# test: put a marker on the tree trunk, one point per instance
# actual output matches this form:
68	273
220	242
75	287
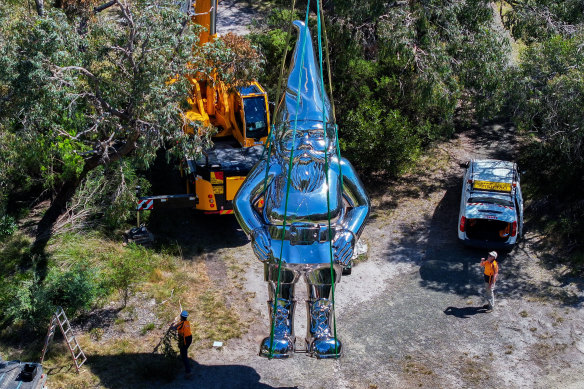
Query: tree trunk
64	195
40	7
45	225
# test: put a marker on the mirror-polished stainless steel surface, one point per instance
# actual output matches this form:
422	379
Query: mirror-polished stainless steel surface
266	198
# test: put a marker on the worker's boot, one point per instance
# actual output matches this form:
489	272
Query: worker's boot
281	343
320	340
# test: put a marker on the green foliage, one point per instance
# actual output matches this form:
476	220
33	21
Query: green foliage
537	20
32	302
7	225
367	129
272	44
404	75
83	270
124	272
29	305
75	289
78	93
400	72
547	96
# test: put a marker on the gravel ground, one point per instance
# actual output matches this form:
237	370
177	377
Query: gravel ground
410	315
236	17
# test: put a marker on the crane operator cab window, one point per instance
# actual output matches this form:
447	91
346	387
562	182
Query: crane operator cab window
256	121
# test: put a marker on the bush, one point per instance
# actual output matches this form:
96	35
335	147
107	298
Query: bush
124	272
29	305
30	302
7	225
377	139
400	71
74	290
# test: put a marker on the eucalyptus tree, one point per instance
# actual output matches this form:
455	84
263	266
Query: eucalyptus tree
547	96
404	70
86	92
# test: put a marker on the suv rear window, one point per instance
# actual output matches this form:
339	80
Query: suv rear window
490	200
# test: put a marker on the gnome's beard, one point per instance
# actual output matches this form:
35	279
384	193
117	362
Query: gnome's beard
306	177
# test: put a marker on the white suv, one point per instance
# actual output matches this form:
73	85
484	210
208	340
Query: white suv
491	205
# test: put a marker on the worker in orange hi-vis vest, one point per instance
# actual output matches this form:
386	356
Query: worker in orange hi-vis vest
491	273
185	337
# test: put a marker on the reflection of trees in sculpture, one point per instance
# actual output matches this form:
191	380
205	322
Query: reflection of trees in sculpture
266	198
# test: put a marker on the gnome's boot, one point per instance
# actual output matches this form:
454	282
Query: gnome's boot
282	343
320	341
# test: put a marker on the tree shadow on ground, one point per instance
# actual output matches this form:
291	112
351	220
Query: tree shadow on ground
445	264
501	135
97	318
448	266
194	232
146	370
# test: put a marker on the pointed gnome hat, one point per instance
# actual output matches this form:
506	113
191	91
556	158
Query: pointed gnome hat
304	65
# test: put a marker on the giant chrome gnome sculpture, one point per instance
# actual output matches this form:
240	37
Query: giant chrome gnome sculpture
302	241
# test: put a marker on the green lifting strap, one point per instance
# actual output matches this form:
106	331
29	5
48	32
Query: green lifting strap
326	169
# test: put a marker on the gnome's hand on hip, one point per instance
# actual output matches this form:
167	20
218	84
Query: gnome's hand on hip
260	242
343	246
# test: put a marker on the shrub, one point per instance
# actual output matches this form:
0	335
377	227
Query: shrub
124	272
29	305
74	290
7	225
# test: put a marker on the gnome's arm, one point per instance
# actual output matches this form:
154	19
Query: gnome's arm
248	193
251	219
354	193
351	225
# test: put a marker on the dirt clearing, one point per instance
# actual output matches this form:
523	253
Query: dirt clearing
410	315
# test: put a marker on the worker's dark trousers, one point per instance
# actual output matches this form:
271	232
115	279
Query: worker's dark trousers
184	347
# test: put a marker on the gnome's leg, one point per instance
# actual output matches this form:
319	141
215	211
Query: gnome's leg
320	340
282	343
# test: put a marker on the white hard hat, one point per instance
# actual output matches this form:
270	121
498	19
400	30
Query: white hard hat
493	254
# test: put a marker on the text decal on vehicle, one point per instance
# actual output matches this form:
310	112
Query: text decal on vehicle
497	186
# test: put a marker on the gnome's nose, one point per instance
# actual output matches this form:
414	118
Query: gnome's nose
305	143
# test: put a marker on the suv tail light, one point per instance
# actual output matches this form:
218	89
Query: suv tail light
462	223
514	229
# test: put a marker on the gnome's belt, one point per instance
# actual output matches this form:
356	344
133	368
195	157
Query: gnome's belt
302	235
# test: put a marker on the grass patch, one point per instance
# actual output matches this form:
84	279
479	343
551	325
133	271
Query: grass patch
220	322
473	372
147	328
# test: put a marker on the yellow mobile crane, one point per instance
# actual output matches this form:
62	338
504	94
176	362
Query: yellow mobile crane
241	115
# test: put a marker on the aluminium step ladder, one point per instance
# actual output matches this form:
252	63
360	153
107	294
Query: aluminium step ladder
60	319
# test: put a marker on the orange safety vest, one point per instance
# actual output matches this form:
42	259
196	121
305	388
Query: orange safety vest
184	330
491	268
